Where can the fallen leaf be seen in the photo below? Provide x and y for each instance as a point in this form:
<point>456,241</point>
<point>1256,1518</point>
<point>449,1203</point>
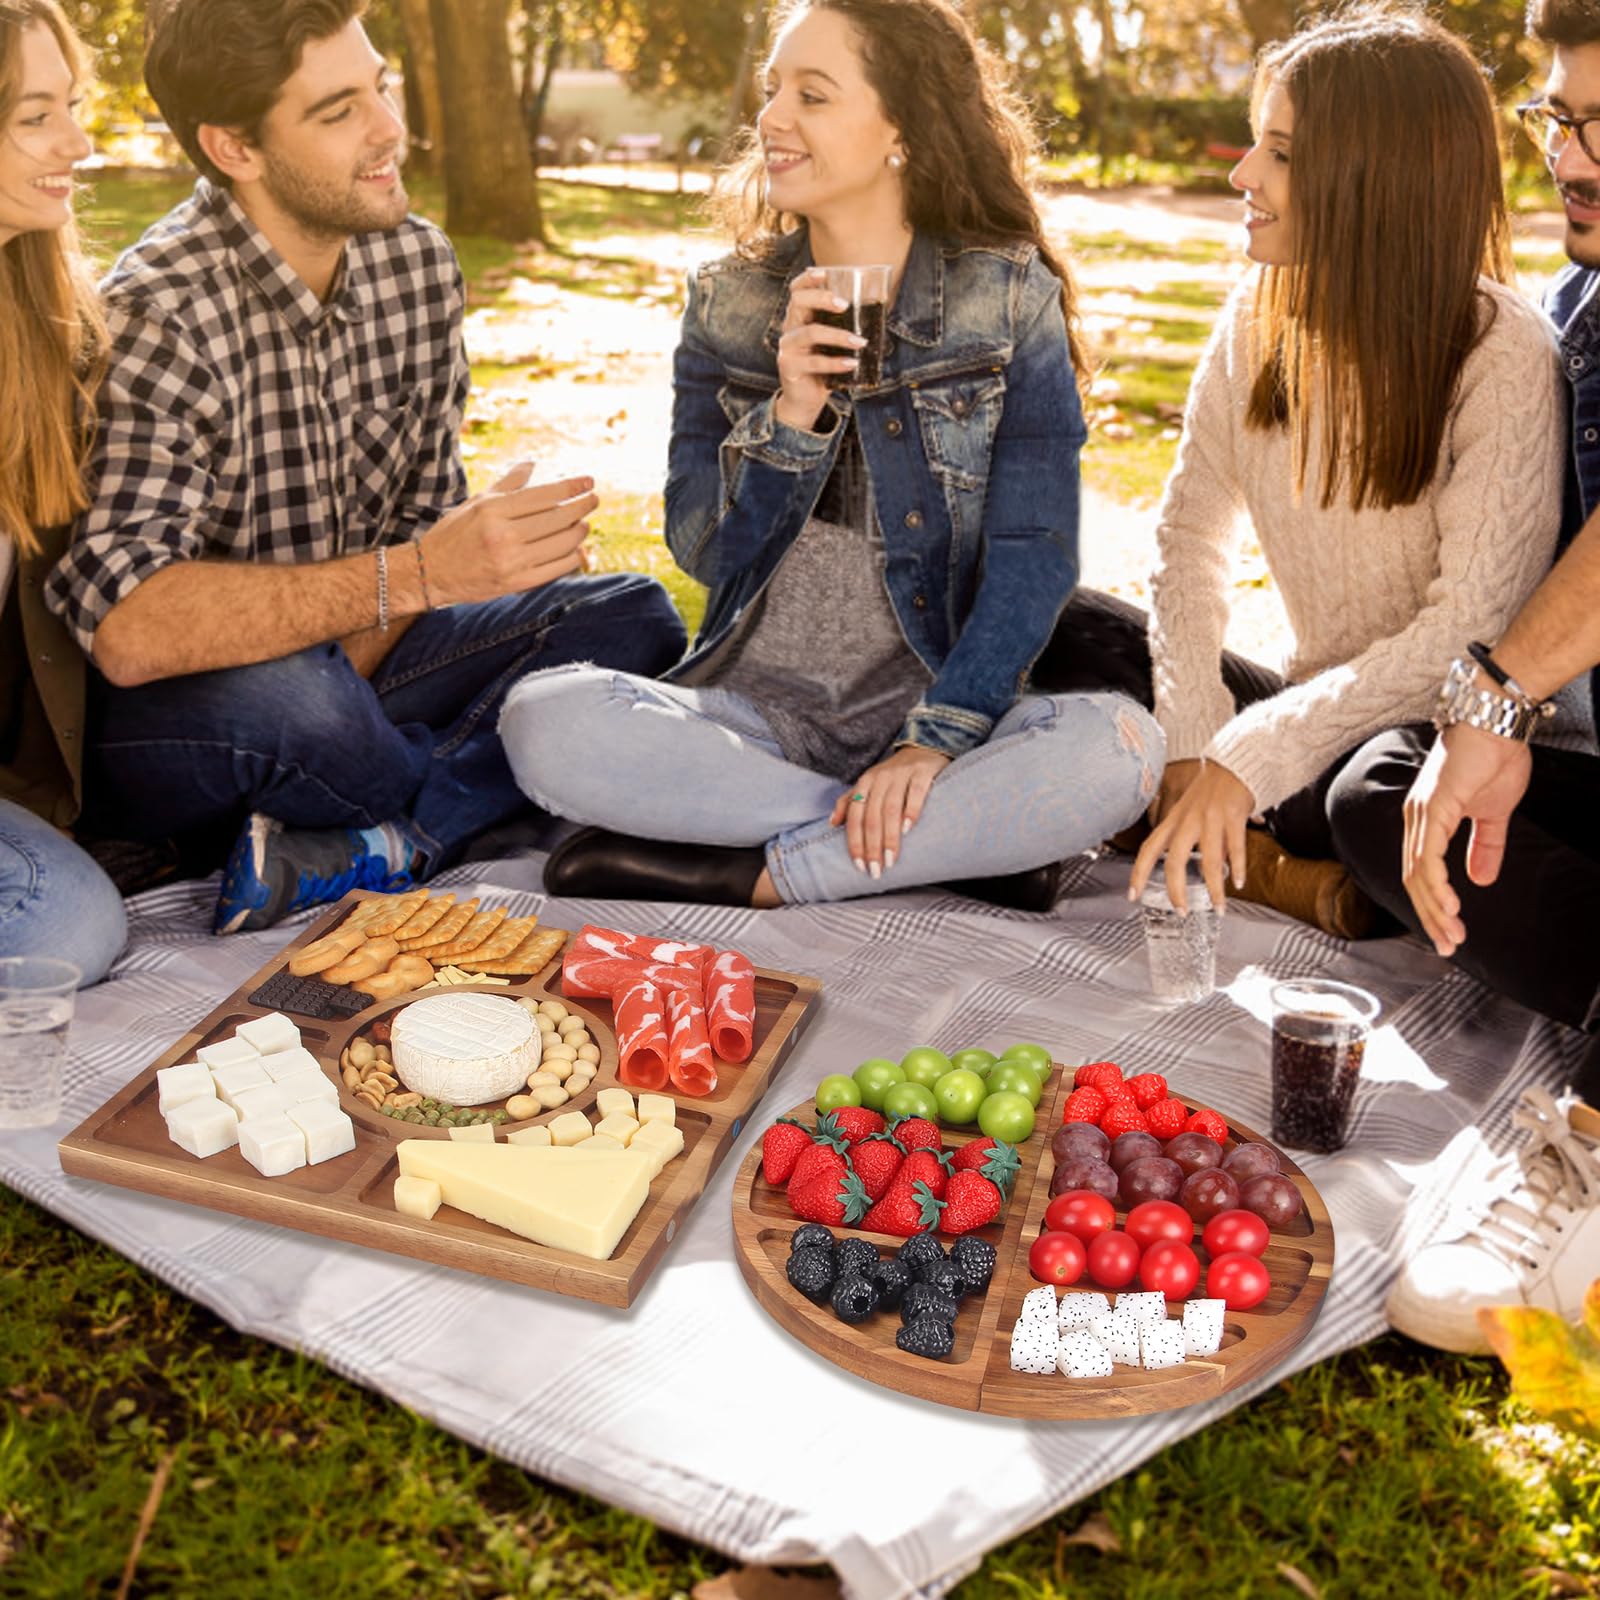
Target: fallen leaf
<point>1295,1578</point>
<point>1097,1533</point>
<point>1554,1367</point>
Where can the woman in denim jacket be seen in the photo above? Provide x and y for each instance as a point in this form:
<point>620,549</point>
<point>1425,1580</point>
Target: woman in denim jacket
<point>884,561</point>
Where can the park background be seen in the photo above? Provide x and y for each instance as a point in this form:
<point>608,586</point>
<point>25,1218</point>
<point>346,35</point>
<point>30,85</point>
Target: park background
<point>565,145</point>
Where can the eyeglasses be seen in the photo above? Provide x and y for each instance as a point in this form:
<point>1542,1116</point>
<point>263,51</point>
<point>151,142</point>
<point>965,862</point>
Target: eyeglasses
<point>1551,131</point>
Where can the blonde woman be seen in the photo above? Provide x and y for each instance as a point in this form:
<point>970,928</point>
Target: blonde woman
<point>54,900</point>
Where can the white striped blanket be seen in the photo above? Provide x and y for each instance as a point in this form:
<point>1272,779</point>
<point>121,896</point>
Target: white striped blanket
<point>673,1408</point>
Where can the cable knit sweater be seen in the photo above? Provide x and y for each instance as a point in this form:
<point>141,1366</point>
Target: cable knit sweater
<point>1378,601</point>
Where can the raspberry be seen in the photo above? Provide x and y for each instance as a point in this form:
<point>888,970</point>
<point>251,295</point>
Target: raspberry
<point>1123,1116</point>
<point>1208,1123</point>
<point>1083,1105</point>
<point>1147,1089</point>
<point>1097,1075</point>
<point>1166,1118</point>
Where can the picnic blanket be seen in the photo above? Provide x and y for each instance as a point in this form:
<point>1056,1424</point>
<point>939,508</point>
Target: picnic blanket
<point>693,1407</point>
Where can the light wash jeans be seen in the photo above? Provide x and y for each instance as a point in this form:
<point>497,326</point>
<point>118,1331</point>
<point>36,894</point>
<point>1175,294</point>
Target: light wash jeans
<point>54,899</point>
<point>1058,774</point>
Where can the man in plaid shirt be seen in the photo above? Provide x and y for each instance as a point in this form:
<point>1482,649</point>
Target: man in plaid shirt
<point>298,617</point>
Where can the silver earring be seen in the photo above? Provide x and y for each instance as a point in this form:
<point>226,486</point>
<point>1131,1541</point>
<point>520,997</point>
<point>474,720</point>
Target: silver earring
<point>896,161</point>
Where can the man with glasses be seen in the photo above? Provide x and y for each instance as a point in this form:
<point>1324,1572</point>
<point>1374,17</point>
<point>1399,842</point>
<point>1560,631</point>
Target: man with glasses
<point>1489,844</point>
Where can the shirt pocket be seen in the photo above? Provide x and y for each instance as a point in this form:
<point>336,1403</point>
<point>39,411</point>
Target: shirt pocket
<point>385,442</point>
<point>958,417</point>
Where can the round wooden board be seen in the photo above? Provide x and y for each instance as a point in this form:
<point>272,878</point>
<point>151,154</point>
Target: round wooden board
<point>977,1374</point>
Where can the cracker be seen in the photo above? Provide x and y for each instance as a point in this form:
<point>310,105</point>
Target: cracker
<point>401,909</point>
<point>473,935</point>
<point>530,956</point>
<point>446,930</point>
<point>425,919</point>
<point>505,939</point>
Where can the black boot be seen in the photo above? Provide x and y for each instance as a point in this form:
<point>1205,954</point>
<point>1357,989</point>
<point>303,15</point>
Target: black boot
<point>596,864</point>
<point>1033,890</point>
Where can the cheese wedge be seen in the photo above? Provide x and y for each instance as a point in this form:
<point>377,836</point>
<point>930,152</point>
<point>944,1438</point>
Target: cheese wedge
<point>559,1197</point>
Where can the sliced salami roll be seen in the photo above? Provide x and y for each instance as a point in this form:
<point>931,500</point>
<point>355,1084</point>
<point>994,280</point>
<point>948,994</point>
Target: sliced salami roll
<point>591,975</point>
<point>731,1004</point>
<point>690,1064</point>
<point>642,1049</point>
<point>670,977</point>
<point>594,940</point>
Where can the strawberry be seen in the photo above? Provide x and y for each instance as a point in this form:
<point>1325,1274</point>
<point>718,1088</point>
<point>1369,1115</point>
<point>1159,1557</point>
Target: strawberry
<point>1166,1118</point>
<point>1084,1105</point>
<point>927,1167</point>
<point>1097,1074</point>
<point>850,1123</point>
<point>781,1147</point>
<point>1208,1123</point>
<point>824,1155</point>
<point>877,1159</point>
<point>971,1201</point>
<point>998,1161</point>
<point>1147,1089</point>
<point>917,1133</point>
<point>834,1199</point>
<point>906,1209</point>
<point>1123,1116</point>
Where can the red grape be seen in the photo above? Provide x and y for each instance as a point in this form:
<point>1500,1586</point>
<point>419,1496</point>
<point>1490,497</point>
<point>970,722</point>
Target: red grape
<point>1248,1161</point>
<point>1113,1259</point>
<point>1132,1146</point>
<point>1159,1219</point>
<point>1193,1151</point>
<point>1207,1192</point>
<point>1083,1172</point>
<point>1149,1178</point>
<point>1079,1139</point>
<point>1273,1198</point>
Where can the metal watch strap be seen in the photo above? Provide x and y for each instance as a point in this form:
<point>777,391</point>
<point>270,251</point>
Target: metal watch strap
<point>1465,698</point>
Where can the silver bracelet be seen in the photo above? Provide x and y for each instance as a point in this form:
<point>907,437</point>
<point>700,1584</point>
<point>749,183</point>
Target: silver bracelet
<point>383,590</point>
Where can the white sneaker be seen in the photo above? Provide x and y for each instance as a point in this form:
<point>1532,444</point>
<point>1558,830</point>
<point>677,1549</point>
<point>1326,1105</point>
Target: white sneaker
<point>1534,1238</point>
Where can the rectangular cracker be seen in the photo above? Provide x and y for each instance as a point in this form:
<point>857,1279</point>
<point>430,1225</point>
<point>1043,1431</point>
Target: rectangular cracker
<point>401,909</point>
<point>427,917</point>
<point>473,935</point>
<point>445,931</point>
<point>530,956</point>
<point>504,940</point>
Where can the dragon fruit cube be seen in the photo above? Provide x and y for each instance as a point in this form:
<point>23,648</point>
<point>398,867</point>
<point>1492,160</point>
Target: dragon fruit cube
<point>1146,1308</point>
<point>1160,1344</point>
<point>1035,1345</point>
<point>1202,1326</point>
<point>1077,1309</point>
<point>1118,1331</point>
<point>1083,1356</point>
<point>1039,1305</point>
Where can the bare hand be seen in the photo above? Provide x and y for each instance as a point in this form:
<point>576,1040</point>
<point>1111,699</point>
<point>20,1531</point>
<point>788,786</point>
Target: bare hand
<point>1212,814</point>
<point>513,537</point>
<point>809,352</point>
<point>1468,773</point>
<point>886,800</point>
<point>1175,782</point>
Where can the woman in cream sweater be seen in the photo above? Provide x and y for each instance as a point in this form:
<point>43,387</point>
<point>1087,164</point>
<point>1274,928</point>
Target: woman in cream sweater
<point>1385,410</point>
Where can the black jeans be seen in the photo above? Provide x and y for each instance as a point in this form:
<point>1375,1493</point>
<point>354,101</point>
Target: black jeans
<point>1532,933</point>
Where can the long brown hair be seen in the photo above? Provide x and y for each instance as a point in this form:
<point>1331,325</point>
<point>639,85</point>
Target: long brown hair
<point>969,142</point>
<point>52,338</point>
<point>1396,198</point>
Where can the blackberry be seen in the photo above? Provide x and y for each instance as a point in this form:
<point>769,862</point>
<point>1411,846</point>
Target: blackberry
<point>923,1300</point>
<point>944,1276</point>
<point>927,1336</point>
<point>810,1236</point>
<point>974,1259</point>
<point>893,1278</point>
<point>812,1272</point>
<point>856,1255</point>
<point>920,1247</point>
<point>854,1298</point>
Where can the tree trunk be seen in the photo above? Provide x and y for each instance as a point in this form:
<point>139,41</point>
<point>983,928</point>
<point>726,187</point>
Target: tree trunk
<point>741,104</point>
<point>489,181</point>
<point>1267,20</point>
<point>424,103</point>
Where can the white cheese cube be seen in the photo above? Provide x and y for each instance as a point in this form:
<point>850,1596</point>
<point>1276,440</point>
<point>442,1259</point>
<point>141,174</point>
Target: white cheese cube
<point>300,1086</point>
<point>540,1135</point>
<point>657,1141</point>
<point>227,1053</point>
<point>1160,1344</point>
<point>1146,1309</point>
<point>272,1145</point>
<point>617,1126</point>
<point>474,1133</point>
<point>270,1034</point>
<point>1202,1326</point>
<point>328,1131</point>
<point>1118,1331</point>
<point>289,1063</point>
<point>600,1141</point>
<point>192,1081</point>
<point>1083,1356</point>
<point>233,1081</point>
<point>417,1197</point>
<point>657,1108</point>
<point>267,1101</point>
<point>570,1128</point>
<point>611,1101</point>
<point>1078,1310</point>
<point>203,1127</point>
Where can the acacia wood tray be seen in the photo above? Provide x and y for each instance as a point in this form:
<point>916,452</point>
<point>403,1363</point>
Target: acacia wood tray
<point>351,1197</point>
<point>977,1375</point>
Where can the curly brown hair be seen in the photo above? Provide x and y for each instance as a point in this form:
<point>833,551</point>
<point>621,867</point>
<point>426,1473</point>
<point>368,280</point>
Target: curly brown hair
<point>970,144</point>
<point>1564,23</point>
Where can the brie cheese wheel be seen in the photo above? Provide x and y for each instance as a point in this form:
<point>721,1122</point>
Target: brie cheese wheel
<point>464,1049</point>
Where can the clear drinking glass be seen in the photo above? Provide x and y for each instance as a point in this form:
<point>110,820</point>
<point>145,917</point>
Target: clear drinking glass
<point>1182,946</point>
<point>867,290</point>
<point>1319,1035</point>
<point>36,1000</point>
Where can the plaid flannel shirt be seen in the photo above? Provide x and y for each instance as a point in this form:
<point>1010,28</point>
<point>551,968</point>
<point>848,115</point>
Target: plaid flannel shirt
<point>242,419</point>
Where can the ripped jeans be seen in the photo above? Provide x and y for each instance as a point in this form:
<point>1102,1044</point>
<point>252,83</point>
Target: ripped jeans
<point>1058,774</point>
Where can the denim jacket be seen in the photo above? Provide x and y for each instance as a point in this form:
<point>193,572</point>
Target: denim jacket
<point>971,446</point>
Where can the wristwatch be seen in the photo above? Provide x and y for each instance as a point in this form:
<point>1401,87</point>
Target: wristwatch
<point>1478,692</point>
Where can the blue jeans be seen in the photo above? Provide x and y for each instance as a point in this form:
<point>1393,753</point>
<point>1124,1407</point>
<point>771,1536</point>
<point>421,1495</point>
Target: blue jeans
<point>309,741</point>
<point>1058,774</point>
<point>54,899</point>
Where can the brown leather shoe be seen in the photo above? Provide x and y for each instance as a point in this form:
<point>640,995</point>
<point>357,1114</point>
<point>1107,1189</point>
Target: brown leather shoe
<point>1319,892</point>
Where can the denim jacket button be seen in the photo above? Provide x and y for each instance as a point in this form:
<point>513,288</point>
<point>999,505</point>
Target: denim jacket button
<point>1575,363</point>
<point>913,519</point>
<point>959,407</point>
<point>892,427</point>
<point>920,601</point>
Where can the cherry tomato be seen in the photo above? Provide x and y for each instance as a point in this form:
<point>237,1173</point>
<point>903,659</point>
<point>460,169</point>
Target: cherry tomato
<point>1170,1267</point>
<point>1239,1281</point>
<point>1113,1259</point>
<point>1081,1212</point>
<point>1056,1258</point>
<point>1235,1230</point>
<point>1159,1219</point>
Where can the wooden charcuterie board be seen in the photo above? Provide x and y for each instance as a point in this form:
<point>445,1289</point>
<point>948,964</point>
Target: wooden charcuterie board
<point>349,1197</point>
<point>977,1375</point>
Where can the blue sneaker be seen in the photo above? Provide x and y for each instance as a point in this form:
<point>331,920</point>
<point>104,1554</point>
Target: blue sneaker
<point>274,871</point>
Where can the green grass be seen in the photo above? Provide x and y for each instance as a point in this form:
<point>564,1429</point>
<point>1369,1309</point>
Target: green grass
<point>1384,1472</point>
<point>1125,247</point>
